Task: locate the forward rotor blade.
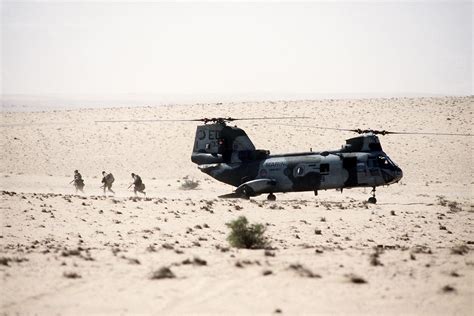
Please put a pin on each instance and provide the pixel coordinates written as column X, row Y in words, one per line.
column 319, row 127
column 378, row 132
column 428, row 133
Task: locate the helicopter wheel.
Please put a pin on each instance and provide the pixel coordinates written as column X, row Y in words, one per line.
column 372, row 199
column 271, row 197
column 246, row 192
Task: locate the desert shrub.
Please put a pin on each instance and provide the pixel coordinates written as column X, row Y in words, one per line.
column 245, row 235
column 356, row 279
column 71, row 275
column 303, row 271
column 442, row 200
column 375, row 257
column 189, row 184
column 454, row 206
column 460, row 250
column 162, row 273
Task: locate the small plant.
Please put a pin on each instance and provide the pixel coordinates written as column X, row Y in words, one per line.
column 162, row 273
column 71, row 275
column 460, row 250
column 243, row 235
column 4, row 261
column 189, row 184
column 448, row 289
column 375, row 257
column 356, row 279
column 303, row 271
column 454, row 207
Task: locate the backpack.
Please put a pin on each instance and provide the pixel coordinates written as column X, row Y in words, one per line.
column 138, row 181
column 110, row 178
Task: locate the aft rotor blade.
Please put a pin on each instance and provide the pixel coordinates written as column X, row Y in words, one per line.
column 206, row 120
column 267, row 118
column 145, row 121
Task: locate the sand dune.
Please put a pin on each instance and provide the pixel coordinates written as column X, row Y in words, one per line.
column 62, row 253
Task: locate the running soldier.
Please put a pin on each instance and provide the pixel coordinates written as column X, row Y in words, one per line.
column 107, row 180
column 138, row 184
column 78, row 181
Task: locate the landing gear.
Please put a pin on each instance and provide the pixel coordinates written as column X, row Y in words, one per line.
column 271, row 197
column 372, row 199
column 246, row 192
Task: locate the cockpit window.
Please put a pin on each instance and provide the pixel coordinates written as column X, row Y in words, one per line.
column 385, row 162
column 391, row 161
column 382, row 161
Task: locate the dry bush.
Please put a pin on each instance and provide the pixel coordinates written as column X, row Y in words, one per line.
column 72, row 275
column 4, row 261
column 244, row 235
column 460, row 250
column 356, row 279
column 375, row 257
column 189, row 184
column 448, row 289
column 303, row 271
column 162, row 273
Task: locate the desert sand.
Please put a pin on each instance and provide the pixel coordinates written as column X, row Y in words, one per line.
column 68, row 253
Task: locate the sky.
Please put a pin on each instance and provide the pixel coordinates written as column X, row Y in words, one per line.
column 265, row 48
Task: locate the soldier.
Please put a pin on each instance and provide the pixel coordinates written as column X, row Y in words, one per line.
column 107, row 180
column 78, row 181
column 139, row 186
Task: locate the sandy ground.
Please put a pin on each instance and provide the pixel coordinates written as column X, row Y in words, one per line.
column 62, row 253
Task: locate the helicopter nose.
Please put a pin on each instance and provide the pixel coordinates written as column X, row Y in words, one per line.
column 398, row 174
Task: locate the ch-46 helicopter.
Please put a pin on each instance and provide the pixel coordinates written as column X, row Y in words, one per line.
column 228, row 155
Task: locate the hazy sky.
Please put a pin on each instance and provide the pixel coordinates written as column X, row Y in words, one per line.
column 110, row 48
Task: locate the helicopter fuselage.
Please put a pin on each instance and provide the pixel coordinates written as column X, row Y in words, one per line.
column 310, row 171
column 228, row 155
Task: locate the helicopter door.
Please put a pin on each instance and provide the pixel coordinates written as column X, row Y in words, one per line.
column 350, row 164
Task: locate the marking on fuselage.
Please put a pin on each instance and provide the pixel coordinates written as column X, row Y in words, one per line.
column 274, row 164
column 213, row 134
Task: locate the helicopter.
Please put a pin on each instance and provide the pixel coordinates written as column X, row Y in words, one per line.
column 227, row 154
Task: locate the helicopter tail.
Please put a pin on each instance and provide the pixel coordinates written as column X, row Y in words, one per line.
column 217, row 143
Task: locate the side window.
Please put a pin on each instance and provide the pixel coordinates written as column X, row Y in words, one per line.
column 371, row 163
column 324, row 168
